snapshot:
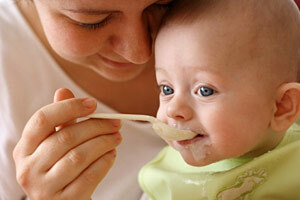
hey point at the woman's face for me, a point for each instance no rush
(113, 37)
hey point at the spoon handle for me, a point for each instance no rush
(123, 116)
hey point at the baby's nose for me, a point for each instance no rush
(179, 109)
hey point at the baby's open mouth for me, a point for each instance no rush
(189, 141)
(198, 135)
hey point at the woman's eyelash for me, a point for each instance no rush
(95, 26)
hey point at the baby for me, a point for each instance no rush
(229, 71)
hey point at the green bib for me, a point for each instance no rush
(272, 176)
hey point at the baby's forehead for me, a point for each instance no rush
(264, 30)
(233, 44)
(255, 19)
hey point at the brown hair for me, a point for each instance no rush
(186, 11)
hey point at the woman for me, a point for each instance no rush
(96, 48)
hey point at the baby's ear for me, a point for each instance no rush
(287, 106)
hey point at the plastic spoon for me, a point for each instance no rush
(163, 130)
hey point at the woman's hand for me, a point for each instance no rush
(57, 158)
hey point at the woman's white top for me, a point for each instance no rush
(29, 77)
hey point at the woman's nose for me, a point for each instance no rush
(179, 109)
(133, 42)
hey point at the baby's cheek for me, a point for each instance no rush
(226, 138)
(231, 146)
(161, 114)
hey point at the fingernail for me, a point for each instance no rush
(119, 138)
(113, 153)
(89, 103)
(116, 122)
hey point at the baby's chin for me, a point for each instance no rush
(194, 157)
(194, 161)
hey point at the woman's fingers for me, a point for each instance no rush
(62, 94)
(58, 144)
(82, 157)
(90, 177)
(67, 163)
(44, 121)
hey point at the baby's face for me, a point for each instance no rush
(211, 85)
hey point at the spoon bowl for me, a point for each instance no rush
(163, 130)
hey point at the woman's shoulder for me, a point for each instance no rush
(14, 30)
(13, 27)
(18, 42)
(9, 13)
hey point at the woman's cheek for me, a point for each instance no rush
(69, 39)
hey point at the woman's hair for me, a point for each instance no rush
(186, 11)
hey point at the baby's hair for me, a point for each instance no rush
(280, 16)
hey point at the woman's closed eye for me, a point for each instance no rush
(90, 19)
(95, 25)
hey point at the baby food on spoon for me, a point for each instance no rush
(165, 131)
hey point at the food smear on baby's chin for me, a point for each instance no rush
(199, 152)
(197, 146)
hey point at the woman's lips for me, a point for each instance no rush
(115, 63)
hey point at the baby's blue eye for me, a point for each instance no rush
(205, 91)
(166, 90)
